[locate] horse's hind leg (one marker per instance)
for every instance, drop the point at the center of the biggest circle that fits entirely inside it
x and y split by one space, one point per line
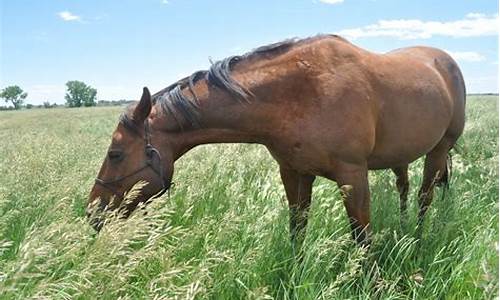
403 185
435 171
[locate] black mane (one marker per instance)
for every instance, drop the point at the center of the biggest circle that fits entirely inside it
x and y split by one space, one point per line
175 103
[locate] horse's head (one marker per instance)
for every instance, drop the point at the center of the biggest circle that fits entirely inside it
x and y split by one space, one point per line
137 153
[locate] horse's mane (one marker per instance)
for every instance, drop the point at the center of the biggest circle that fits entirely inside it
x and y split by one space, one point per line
177 104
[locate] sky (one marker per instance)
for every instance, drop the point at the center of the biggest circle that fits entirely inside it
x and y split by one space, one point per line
120 46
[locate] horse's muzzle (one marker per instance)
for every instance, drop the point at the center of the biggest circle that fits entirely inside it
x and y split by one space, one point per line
95 216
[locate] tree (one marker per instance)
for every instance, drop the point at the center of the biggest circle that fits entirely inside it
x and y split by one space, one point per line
80 94
14 94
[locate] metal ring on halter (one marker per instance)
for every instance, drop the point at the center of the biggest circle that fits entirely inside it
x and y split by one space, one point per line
149 163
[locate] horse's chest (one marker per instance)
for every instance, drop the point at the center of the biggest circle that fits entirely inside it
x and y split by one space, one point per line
302 157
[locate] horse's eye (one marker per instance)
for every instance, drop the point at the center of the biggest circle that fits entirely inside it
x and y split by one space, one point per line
115 155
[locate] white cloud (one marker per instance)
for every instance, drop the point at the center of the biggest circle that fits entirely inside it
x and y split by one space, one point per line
466 56
474 15
164 2
474 24
67 16
331 1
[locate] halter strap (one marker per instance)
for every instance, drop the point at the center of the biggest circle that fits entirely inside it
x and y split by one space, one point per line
149 163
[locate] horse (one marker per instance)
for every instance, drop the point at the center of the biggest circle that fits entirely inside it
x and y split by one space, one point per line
321 106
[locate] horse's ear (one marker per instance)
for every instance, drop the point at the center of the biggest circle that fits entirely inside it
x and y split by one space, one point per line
142 110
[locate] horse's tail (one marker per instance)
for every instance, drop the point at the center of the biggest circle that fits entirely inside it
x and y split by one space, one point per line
444 181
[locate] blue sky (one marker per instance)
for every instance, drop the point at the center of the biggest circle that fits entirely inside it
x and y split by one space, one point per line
120 46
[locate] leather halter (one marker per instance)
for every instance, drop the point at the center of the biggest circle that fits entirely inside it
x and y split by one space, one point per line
151 152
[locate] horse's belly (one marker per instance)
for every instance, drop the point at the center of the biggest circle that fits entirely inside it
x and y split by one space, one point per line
400 154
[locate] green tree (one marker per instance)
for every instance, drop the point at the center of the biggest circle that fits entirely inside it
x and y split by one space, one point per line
14 95
79 94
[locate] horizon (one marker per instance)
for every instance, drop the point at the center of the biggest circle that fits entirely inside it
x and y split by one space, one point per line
119 47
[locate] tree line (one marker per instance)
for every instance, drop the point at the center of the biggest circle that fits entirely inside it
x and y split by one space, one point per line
78 94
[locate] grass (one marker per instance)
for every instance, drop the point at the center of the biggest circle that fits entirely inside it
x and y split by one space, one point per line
223 234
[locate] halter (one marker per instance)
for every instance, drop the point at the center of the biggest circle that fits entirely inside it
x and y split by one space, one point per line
149 163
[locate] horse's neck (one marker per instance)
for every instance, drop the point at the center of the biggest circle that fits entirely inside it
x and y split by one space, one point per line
186 140
223 119
203 136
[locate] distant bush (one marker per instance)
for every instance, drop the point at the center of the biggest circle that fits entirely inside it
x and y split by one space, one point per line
80 94
114 102
15 95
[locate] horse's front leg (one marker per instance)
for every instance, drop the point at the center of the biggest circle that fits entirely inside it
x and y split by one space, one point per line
352 179
298 188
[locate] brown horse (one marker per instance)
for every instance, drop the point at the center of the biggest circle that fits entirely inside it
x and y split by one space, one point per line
321 106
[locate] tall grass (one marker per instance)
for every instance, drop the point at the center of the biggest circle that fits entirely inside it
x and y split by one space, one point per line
223 234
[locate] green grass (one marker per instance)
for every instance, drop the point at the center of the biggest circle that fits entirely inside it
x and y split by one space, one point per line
223 234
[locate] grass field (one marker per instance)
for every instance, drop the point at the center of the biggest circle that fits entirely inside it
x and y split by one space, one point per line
223 234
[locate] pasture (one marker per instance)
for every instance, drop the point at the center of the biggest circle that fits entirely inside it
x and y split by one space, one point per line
223 233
